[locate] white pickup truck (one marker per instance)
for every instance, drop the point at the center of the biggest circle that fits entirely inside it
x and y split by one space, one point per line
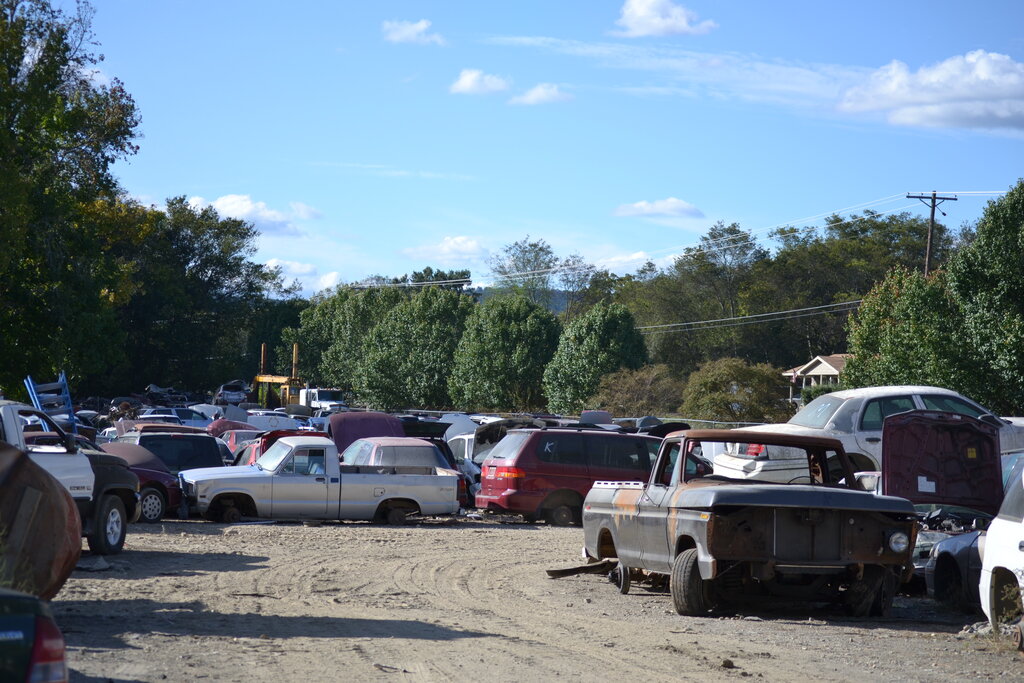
301 477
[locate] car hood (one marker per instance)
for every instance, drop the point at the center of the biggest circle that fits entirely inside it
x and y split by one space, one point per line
711 493
938 458
787 428
233 473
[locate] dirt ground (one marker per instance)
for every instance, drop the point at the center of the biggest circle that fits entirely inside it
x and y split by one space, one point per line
459 600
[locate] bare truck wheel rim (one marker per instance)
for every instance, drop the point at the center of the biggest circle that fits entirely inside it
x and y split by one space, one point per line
113 526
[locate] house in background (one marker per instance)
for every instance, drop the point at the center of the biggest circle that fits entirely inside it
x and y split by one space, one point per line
821 370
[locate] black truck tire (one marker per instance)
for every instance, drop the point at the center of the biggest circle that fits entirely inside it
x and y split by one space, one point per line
689 591
624 580
110 526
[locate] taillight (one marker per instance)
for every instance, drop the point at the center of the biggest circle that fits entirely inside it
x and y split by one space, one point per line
755 449
48 665
508 473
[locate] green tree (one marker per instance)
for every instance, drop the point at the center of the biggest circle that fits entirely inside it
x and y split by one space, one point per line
60 131
650 390
731 390
909 330
407 358
986 278
526 268
602 340
500 361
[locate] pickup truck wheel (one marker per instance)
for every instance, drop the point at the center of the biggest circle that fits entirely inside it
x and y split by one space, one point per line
623 580
690 594
861 595
151 505
110 528
561 515
230 515
397 516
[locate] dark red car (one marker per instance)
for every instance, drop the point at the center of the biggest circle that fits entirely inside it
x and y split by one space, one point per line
546 473
159 490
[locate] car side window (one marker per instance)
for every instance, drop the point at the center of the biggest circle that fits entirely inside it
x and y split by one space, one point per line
951 404
877 409
305 462
667 465
618 453
561 449
1012 508
458 447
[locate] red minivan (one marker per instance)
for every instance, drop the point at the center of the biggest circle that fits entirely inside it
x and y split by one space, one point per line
546 473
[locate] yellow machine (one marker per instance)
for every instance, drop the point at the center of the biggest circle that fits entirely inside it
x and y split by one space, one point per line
274 391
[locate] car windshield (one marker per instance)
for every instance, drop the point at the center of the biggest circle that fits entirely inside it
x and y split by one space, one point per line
818 412
274 456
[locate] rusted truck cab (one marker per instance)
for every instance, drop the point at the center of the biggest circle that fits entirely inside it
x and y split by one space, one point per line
720 541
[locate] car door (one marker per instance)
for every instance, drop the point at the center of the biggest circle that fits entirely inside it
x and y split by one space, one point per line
300 486
70 468
652 510
872 417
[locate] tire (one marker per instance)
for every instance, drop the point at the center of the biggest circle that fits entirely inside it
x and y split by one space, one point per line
881 605
690 593
397 516
230 515
949 588
110 528
623 580
561 515
862 595
152 505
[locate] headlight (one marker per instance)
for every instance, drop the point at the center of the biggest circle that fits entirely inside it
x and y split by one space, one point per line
899 541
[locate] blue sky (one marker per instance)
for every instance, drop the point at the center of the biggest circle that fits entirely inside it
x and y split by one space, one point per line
382 137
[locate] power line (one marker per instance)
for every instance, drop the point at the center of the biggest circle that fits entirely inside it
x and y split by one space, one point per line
755 315
752 322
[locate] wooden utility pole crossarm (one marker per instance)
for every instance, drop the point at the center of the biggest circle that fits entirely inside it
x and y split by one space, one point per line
933 200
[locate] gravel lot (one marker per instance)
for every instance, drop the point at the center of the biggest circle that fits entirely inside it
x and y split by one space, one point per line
459 600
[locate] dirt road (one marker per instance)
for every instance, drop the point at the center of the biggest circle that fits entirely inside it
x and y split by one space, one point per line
462 601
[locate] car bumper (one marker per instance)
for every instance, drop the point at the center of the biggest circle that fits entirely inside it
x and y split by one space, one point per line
510 500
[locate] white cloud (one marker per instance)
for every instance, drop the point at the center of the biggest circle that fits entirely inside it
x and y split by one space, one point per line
292 268
660 208
542 93
328 280
476 82
410 32
641 18
305 212
450 251
267 220
977 90
720 75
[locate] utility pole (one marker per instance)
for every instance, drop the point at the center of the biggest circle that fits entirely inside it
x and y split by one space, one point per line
933 202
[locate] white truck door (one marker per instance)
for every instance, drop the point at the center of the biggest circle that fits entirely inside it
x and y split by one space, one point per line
70 468
300 487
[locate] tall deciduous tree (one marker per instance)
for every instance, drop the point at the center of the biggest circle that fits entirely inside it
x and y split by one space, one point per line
526 268
731 390
500 361
60 130
602 340
407 358
650 390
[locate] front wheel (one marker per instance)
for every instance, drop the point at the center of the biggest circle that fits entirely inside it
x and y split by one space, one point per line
151 505
690 593
110 528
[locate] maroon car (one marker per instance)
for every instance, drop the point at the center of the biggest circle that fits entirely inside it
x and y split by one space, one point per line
159 490
546 473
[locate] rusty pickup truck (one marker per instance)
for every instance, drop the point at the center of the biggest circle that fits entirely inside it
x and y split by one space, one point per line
719 541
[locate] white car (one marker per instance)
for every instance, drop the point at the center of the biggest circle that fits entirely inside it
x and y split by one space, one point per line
1002 567
188 416
855 418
